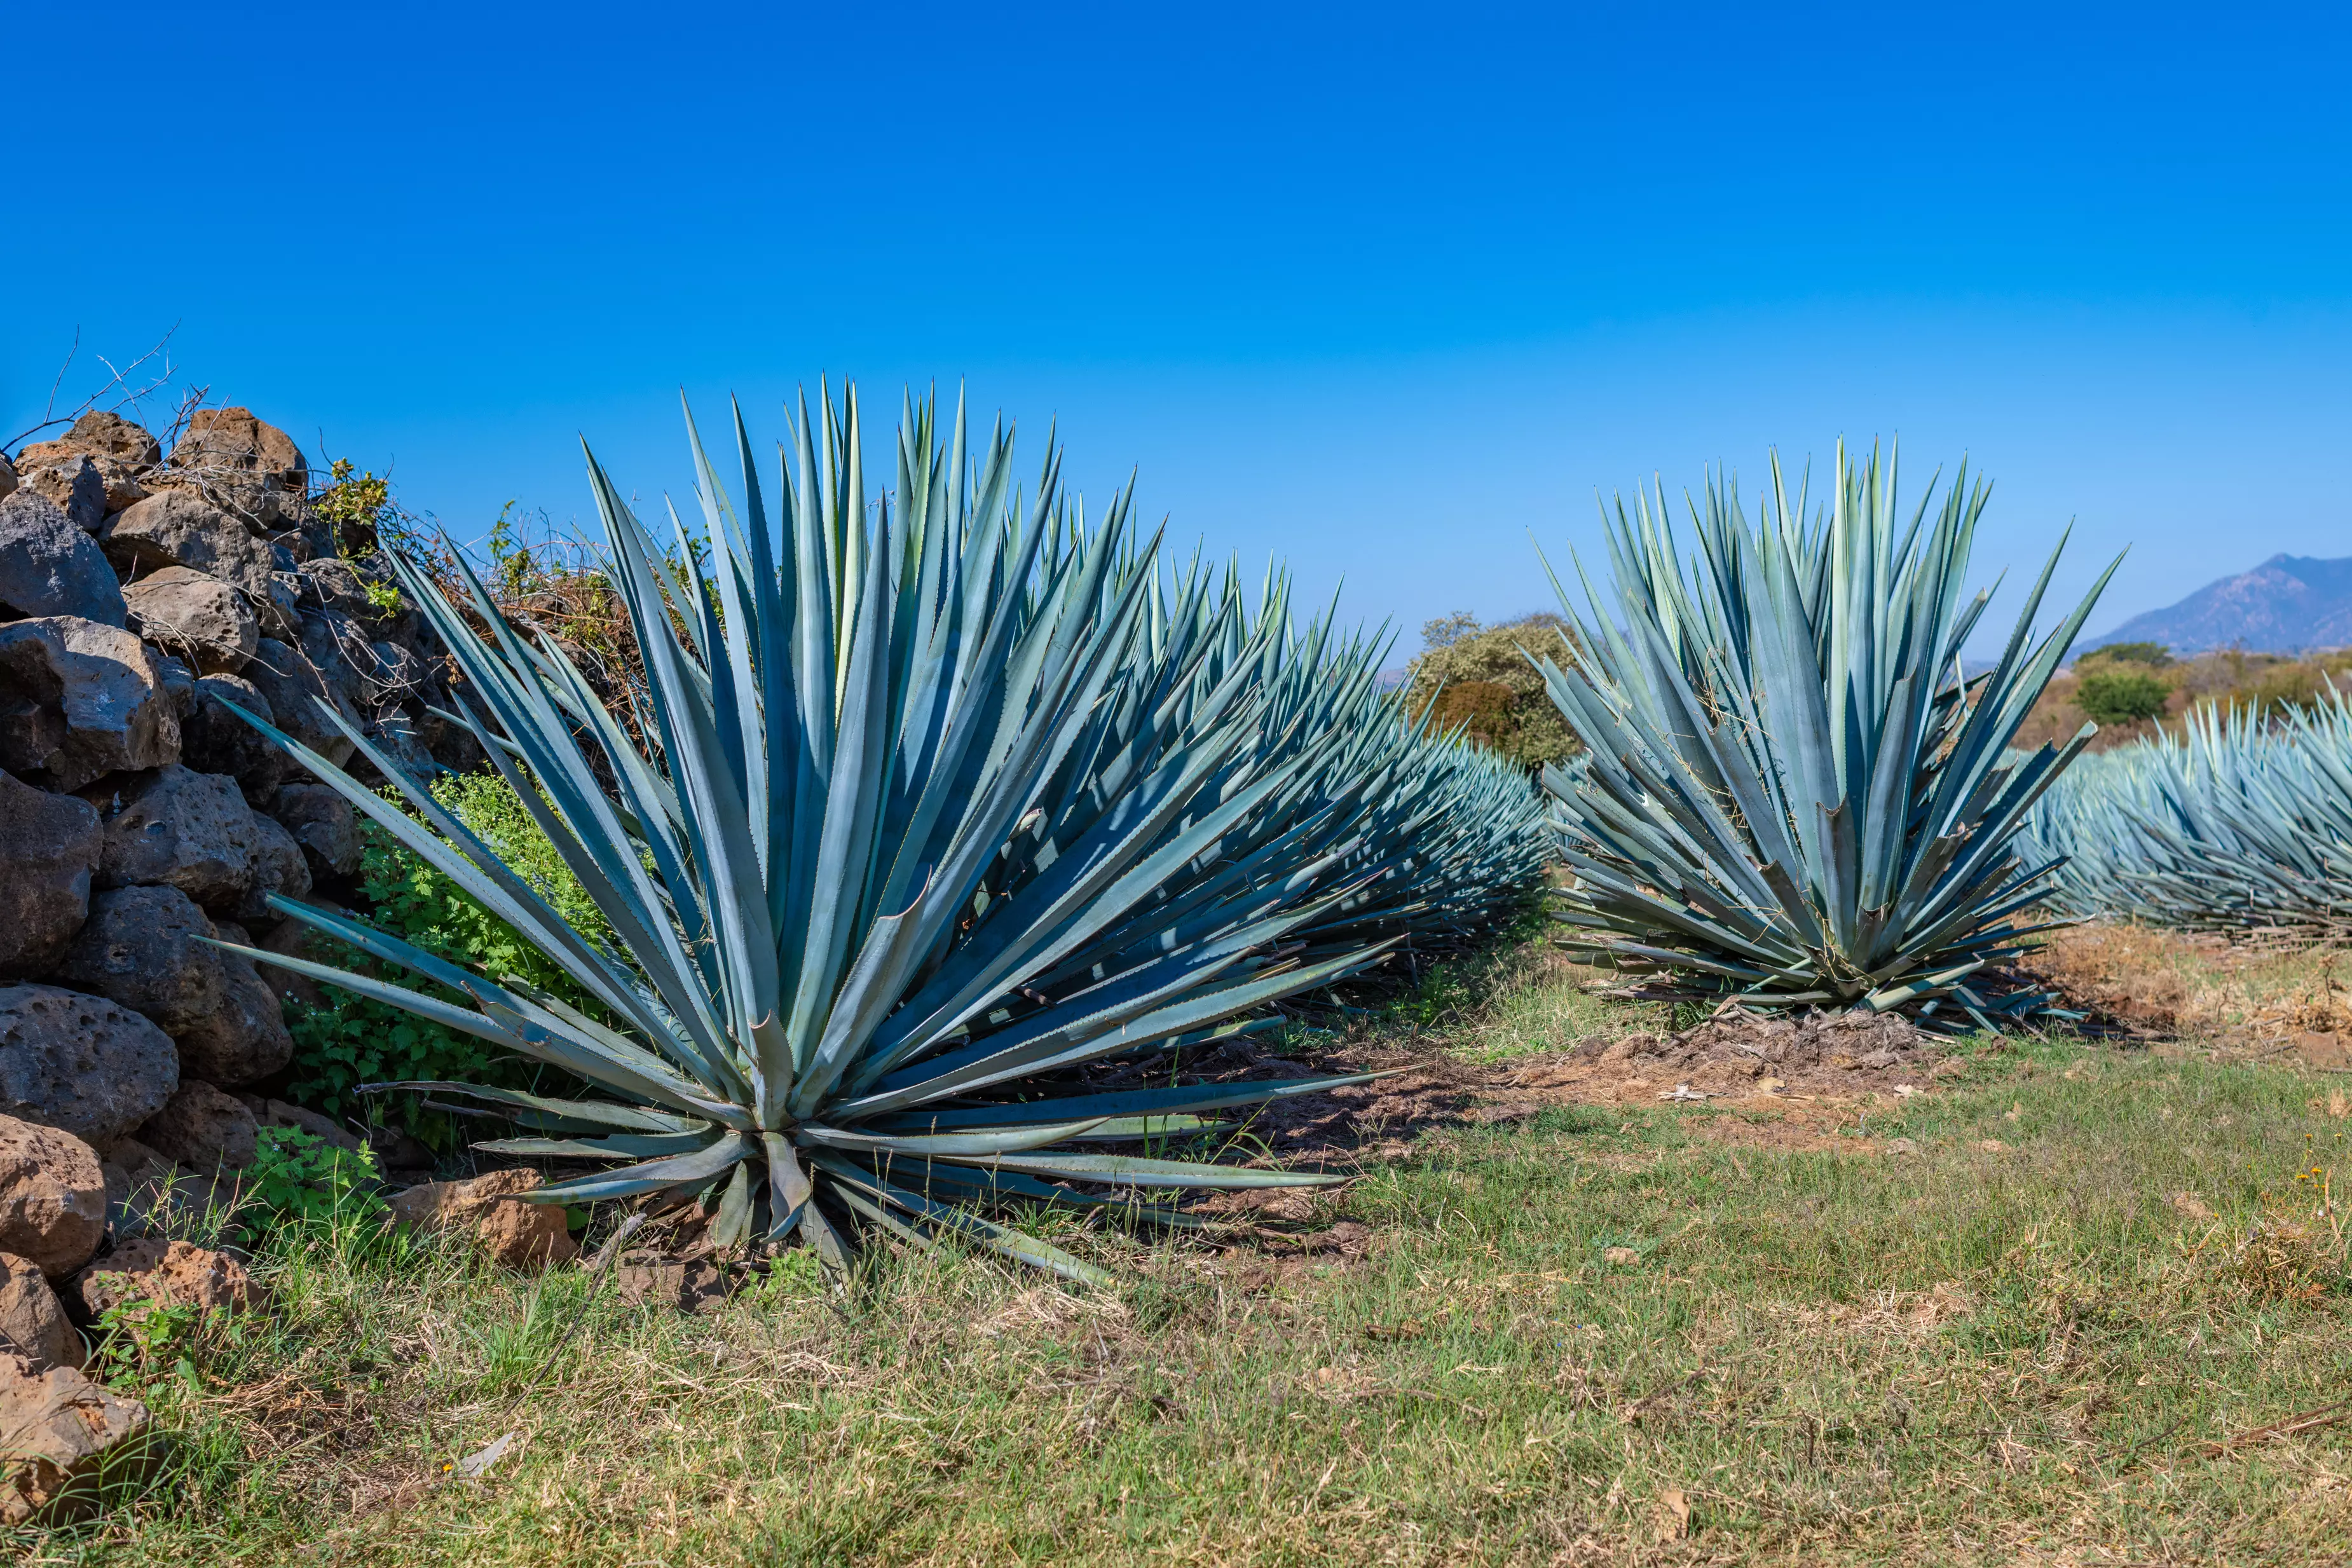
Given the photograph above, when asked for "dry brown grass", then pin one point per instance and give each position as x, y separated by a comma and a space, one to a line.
2237, 998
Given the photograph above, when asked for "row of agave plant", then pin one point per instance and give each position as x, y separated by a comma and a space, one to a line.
941, 799
2240, 824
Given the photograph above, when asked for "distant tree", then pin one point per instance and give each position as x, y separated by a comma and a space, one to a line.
1448, 630
2121, 695
2156, 655
1478, 679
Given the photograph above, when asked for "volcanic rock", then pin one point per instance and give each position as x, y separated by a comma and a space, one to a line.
66, 1443
84, 1064
203, 1129
52, 1197
200, 617
80, 700
48, 851
48, 566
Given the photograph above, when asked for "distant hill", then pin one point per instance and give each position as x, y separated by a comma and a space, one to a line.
2288, 604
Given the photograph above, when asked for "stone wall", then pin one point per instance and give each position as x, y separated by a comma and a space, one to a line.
144, 597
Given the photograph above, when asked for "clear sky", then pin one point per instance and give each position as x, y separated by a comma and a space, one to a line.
1380, 290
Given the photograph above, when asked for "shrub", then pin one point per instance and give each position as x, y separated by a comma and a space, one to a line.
1480, 679
298, 1178
355, 1039
2121, 695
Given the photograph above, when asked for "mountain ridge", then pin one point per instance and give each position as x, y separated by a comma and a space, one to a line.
2288, 604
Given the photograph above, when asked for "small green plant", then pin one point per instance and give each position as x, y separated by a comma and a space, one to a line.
353, 1040
2121, 695
138, 1335
358, 508
298, 1178
383, 598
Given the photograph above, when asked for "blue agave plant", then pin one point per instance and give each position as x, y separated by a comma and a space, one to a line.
1792, 796
930, 813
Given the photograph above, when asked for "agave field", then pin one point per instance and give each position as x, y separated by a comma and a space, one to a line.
2240, 824
942, 801
974, 882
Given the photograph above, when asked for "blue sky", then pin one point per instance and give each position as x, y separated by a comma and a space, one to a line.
1382, 291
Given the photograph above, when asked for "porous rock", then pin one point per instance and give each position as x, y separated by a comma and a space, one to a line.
66, 1443
295, 940
174, 827
244, 465
294, 687
33, 1321
338, 649
213, 739
99, 435
48, 566
171, 1273
323, 823
81, 1063
199, 617
74, 486
277, 868
398, 736
48, 851
52, 1197
515, 1232
203, 1129
178, 528
145, 947
79, 700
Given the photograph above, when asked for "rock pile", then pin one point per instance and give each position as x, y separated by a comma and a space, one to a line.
144, 596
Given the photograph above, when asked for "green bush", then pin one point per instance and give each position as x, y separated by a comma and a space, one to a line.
2121, 695
300, 1178
353, 1041
1478, 678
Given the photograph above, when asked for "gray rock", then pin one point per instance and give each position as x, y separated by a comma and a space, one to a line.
48, 851
450, 744
330, 582
203, 1129
294, 687
292, 939
278, 867
81, 1063
324, 823
177, 827
201, 618
143, 947
178, 528
80, 700
249, 1039
9, 480
397, 675
214, 740
50, 567
52, 1197
248, 468
397, 737
74, 485
337, 647
180, 684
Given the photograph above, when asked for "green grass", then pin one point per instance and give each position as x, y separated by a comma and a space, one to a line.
1956, 1355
